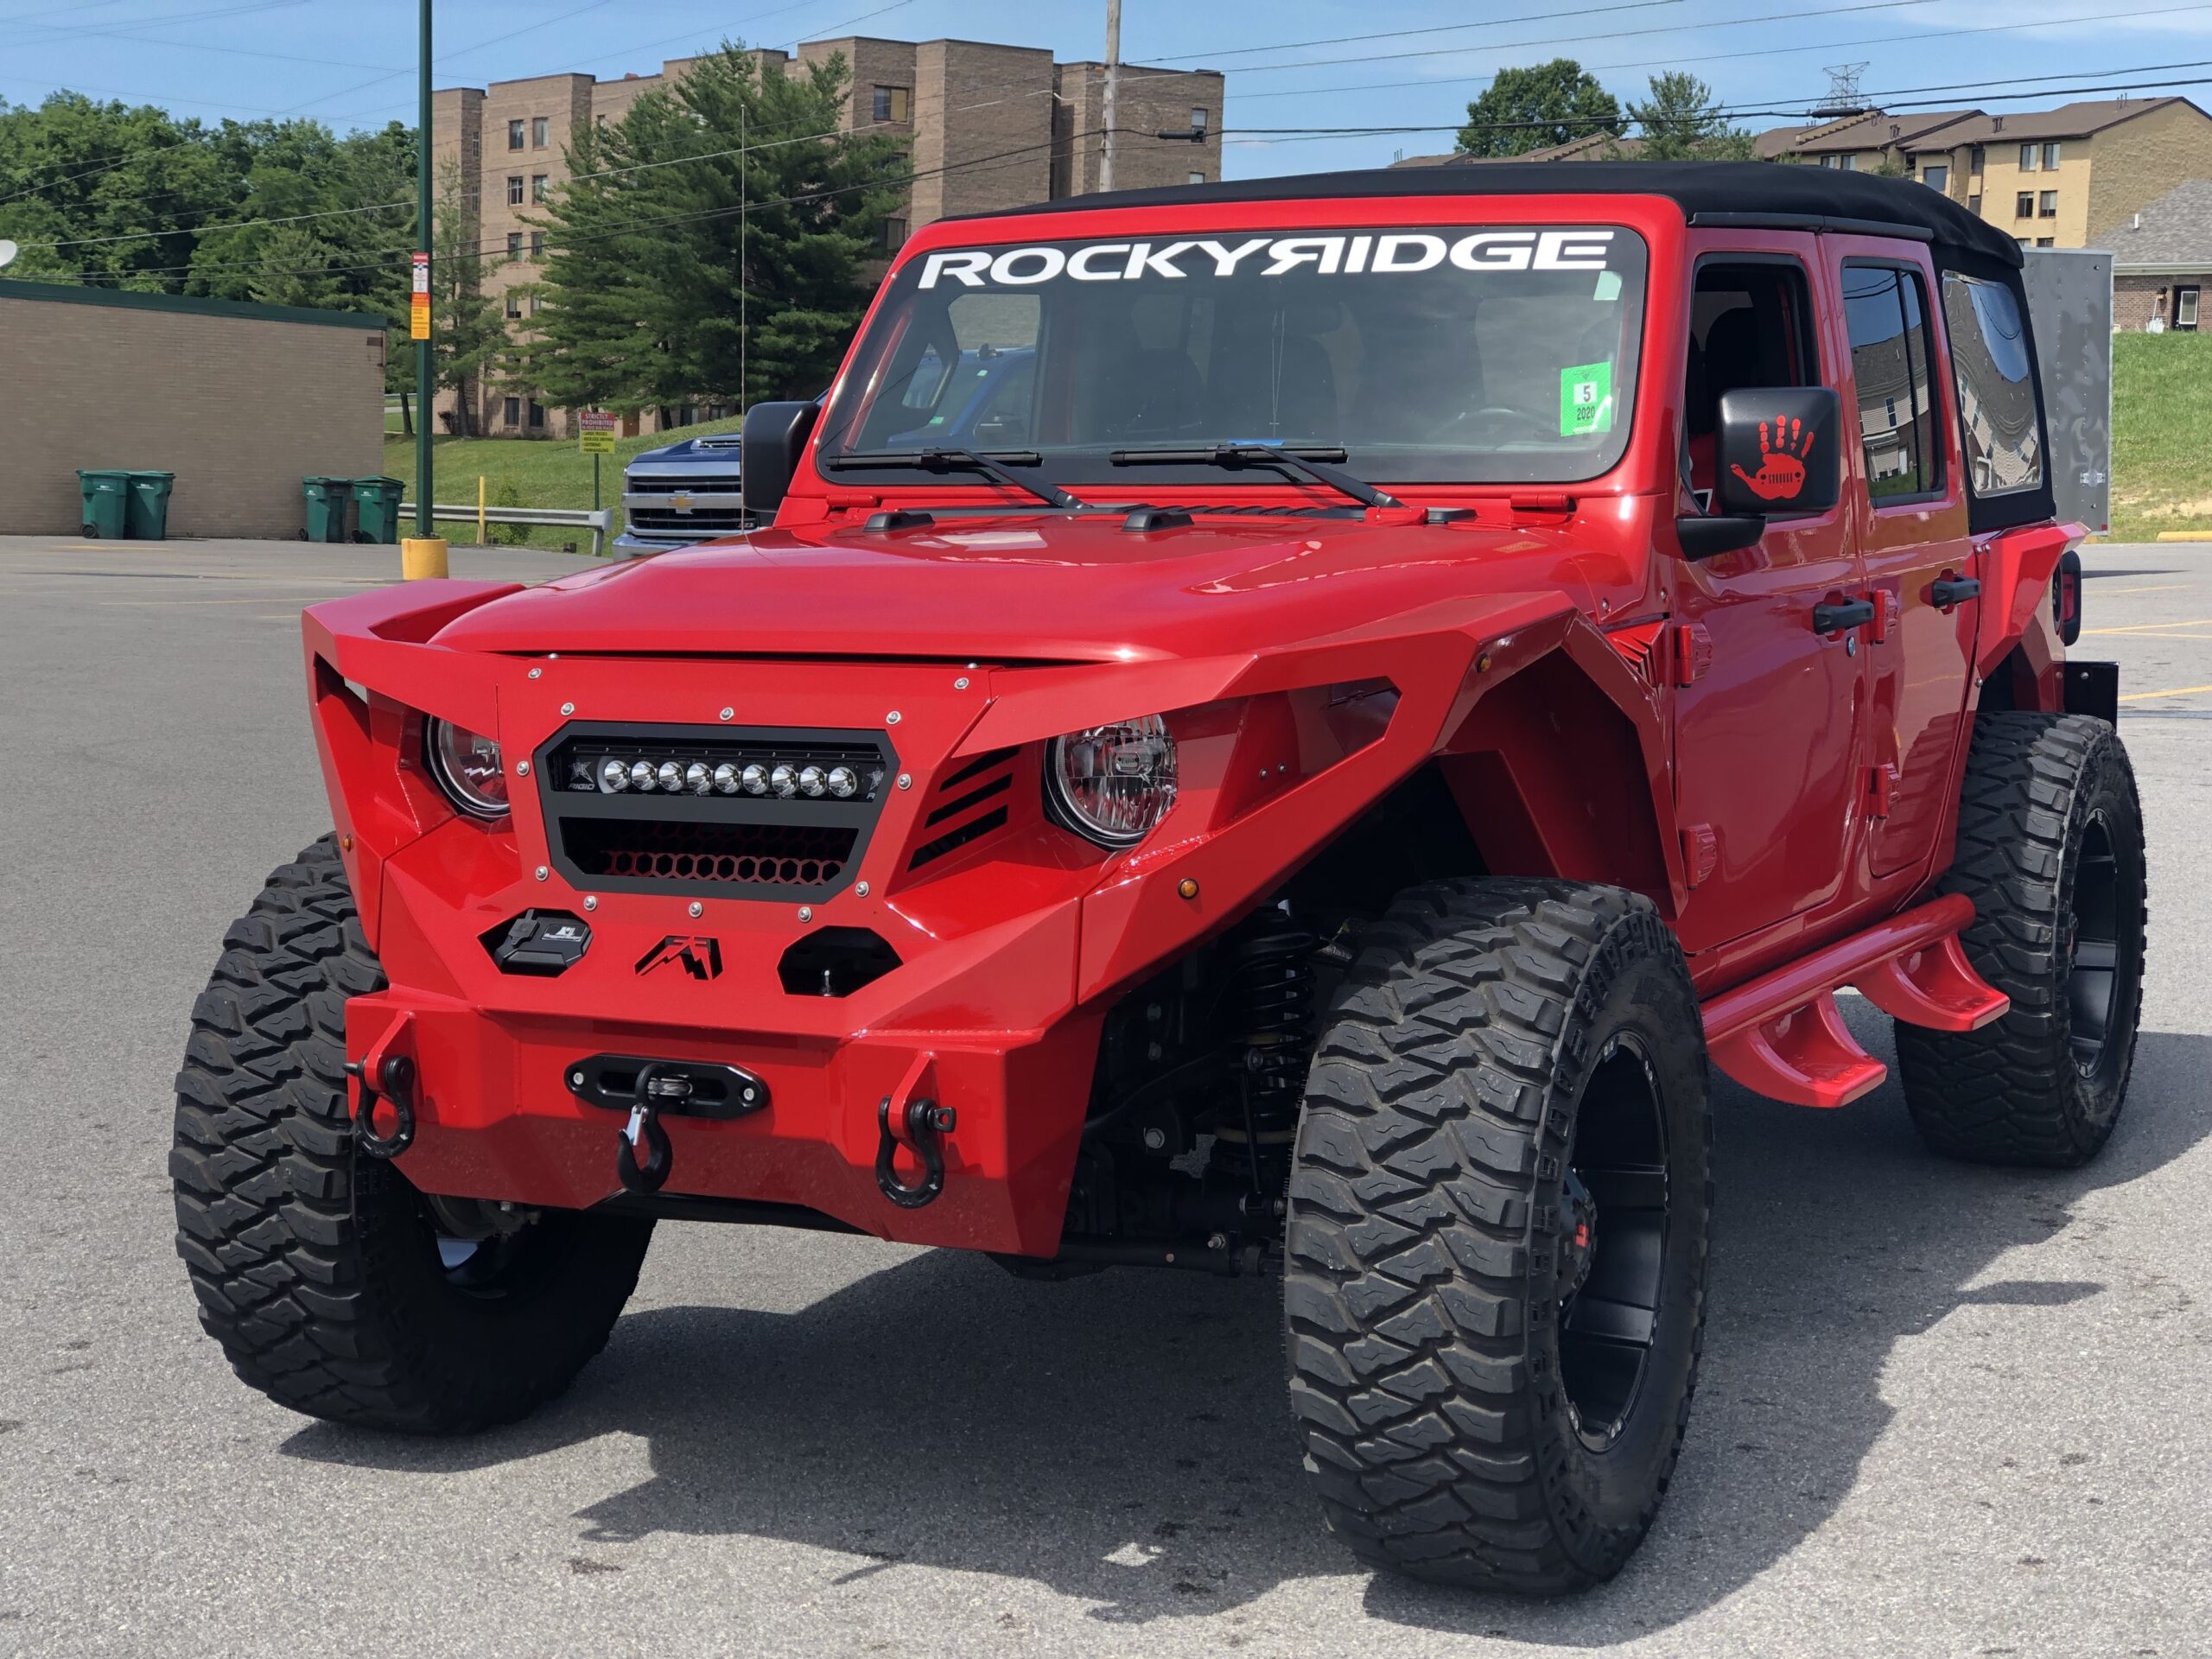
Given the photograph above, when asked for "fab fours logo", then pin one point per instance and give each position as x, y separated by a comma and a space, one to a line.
697, 955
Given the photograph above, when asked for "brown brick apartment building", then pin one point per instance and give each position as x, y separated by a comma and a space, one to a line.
987, 126
2055, 178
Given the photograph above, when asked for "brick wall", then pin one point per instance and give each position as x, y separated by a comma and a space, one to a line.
982, 128
1148, 101
240, 406
2134, 163
2138, 298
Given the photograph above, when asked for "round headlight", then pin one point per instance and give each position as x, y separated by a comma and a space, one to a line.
467, 766
755, 779
697, 779
726, 780
1113, 784
784, 781
614, 776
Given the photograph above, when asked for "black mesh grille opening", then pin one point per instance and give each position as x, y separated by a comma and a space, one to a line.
667, 519
778, 855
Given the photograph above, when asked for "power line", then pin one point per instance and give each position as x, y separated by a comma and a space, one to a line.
1402, 34
1755, 52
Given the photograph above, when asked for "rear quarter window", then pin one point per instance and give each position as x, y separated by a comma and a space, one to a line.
1997, 396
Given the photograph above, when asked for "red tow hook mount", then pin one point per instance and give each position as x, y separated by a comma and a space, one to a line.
385, 1073
910, 1118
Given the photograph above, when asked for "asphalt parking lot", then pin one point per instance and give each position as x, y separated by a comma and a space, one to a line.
1944, 1411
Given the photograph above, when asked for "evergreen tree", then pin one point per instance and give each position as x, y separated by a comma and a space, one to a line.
467, 334
1679, 124
719, 250
1533, 109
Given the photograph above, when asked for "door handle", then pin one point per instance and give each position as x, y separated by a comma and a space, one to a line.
1948, 591
1839, 618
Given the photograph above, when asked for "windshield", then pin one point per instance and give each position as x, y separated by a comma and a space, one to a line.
1447, 354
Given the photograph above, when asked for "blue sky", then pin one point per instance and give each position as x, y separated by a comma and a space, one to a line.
350, 62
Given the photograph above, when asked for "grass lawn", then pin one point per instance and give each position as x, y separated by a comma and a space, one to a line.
2161, 434
529, 473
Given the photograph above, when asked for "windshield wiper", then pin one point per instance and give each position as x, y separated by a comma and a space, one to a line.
997, 464
1300, 462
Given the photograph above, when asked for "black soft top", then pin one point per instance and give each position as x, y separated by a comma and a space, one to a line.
1742, 194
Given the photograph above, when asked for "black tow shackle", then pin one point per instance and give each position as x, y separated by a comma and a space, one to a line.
394, 1082
924, 1122
654, 1088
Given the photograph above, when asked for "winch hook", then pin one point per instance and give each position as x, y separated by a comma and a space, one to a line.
645, 1124
924, 1122
394, 1082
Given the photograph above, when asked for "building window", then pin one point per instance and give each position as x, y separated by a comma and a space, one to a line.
2027, 158
1849, 163
894, 104
2023, 205
514, 245
537, 416
1973, 204
514, 304
514, 135
538, 183
2185, 308
514, 191
511, 412
1195, 178
537, 245
541, 131
2050, 208
1198, 120
894, 235
2046, 241
1936, 178
1975, 155
2050, 158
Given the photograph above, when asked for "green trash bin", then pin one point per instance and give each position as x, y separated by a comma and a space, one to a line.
326, 499
377, 499
107, 502
147, 517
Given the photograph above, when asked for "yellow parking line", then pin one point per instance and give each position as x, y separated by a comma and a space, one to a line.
2145, 627
2178, 692
2169, 587
2201, 638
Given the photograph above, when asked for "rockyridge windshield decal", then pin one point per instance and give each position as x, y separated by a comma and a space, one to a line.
1366, 253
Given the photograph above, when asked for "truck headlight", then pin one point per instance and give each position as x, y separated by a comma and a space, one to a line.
1112, 784
466, 766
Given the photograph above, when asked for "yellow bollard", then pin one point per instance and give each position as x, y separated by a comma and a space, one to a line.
482, 540
421, 556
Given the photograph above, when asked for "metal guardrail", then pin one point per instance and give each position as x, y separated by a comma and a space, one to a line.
599, 521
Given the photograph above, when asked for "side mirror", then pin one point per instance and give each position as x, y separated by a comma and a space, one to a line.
1776, 451
773, 439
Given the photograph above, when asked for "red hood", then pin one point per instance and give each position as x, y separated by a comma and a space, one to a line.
1008, 589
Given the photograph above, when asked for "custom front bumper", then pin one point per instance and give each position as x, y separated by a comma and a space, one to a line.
1012, 936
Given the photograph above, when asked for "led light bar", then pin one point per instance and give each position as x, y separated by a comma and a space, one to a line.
612, 767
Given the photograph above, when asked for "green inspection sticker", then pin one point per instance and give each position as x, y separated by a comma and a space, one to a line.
1586, 400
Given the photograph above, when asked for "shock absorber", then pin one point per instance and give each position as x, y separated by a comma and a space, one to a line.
1272, 1008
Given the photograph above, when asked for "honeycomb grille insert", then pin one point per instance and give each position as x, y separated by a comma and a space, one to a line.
737, 845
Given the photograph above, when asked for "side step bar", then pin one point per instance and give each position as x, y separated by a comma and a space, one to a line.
1780, 1034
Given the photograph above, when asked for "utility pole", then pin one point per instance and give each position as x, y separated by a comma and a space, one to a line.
424, 555
1113, 87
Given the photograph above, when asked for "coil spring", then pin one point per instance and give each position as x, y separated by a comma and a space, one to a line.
1274, 1009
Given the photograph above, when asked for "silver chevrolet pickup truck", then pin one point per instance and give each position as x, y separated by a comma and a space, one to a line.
683, 493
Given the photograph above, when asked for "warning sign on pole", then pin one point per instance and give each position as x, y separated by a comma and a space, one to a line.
595, 432
418, 309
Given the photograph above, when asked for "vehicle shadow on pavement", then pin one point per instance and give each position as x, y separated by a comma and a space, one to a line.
1125, 1439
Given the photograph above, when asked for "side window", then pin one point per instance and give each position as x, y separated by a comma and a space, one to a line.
2001, 436
1885, 312
1750, 325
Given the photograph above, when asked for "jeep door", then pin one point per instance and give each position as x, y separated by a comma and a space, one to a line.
1770, 719
1904, 490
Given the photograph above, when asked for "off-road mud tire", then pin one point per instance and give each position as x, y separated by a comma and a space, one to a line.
2041, 790
1428, 1210
317, 1266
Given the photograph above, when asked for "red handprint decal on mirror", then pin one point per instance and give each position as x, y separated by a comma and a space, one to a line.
1781, 462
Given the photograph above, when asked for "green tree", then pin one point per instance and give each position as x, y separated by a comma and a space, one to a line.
1678, 122
468, 337
713, 243
1531, 109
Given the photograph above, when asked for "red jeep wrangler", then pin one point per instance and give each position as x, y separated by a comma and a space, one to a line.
1277, 726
